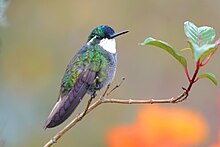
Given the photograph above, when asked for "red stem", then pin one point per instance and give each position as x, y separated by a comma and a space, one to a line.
192, 81
196, 80
187, 74
207, 59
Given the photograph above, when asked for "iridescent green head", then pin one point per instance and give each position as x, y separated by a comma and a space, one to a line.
104, 32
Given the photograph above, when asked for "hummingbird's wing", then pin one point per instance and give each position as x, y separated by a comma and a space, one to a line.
79, 75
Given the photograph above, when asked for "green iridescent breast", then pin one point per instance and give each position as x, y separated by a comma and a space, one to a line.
89, 58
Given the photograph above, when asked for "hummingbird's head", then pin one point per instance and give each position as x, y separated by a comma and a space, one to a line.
104, 37
104, 32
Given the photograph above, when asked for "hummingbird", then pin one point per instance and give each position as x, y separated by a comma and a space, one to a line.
90, 70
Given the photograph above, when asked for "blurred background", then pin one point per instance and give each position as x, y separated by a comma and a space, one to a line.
38, 38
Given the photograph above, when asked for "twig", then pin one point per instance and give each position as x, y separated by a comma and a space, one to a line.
116, 86
104, 99
87, 106
187, 74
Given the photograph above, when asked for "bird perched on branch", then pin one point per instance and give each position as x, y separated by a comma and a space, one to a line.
91, 69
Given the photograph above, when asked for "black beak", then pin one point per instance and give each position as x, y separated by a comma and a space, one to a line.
118, 34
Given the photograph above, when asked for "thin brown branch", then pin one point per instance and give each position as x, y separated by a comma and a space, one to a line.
116, 86
89, 102
71, 124
103, 99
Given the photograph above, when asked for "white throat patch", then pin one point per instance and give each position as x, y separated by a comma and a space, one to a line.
108, 45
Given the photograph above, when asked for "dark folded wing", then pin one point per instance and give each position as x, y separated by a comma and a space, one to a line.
67, 104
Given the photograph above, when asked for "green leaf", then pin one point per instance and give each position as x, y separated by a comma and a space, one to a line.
201, 39
207, 52
199, 35
210, 76
203, 51
185, 49
166, 47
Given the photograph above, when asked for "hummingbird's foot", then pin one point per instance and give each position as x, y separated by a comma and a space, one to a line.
96, 84
96, 81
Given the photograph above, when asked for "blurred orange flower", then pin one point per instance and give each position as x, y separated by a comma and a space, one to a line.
156, 126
